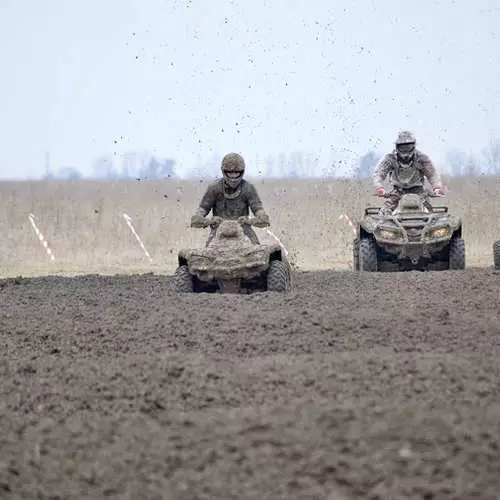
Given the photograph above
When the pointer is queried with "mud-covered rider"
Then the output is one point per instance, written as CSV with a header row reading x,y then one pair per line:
x,y
231,198
407,169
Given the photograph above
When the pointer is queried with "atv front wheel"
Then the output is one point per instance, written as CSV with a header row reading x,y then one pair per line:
x,y
183,280
355,255
368,260
278,277
496,254
457,253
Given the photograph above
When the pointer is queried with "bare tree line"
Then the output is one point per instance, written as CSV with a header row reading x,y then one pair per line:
x,y
299,164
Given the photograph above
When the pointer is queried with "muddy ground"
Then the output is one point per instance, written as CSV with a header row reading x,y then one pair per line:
x,y
353,386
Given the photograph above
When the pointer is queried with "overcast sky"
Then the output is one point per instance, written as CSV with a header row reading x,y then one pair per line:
x,y
190,79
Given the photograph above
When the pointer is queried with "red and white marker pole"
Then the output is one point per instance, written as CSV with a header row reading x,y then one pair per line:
x,y
41,237
268,231
349,221
128,220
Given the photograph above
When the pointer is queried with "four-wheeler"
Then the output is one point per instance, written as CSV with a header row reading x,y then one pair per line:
x,y
232,263
413,237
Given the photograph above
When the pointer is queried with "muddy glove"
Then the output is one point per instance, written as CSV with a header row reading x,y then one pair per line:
x,y
380,191
438,192
198,221
244,219
214,221
261,219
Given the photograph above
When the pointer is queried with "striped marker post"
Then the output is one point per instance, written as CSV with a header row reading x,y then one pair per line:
x,y
41,237
268,231
349,221
128,220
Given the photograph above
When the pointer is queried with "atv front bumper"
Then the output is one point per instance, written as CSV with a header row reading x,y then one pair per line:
x,y
413,250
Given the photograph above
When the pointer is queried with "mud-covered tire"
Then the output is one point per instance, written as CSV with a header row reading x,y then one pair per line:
x,y
368,260
457,254
183,280
279,277
355,255
496,254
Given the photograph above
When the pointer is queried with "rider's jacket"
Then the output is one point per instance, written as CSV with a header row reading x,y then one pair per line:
x,y
406,176
230,206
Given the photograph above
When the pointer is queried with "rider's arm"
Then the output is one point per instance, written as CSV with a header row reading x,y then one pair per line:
x,y
256,205
381,171
430,171
206,204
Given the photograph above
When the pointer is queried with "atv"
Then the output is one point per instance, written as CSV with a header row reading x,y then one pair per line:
x,y
232,263
416,236
496,254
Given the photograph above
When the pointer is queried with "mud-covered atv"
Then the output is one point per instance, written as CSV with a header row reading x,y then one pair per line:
x,y
415,236
496,254
232,263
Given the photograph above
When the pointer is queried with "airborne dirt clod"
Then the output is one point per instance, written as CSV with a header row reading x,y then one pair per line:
x,y
353,386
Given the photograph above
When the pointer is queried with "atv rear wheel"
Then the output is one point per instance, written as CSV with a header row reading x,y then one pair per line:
x,y
496,254
183,280
368,260
278,277
457,253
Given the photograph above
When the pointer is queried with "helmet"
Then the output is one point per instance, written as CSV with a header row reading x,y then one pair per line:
x,y
233,168
405,146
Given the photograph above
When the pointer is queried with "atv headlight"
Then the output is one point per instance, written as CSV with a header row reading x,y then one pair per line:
x,y
442,232
388,235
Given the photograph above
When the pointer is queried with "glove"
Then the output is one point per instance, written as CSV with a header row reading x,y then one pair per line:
x,y
201,222
261,219
438,192
244,219
214,221
380,191
198,221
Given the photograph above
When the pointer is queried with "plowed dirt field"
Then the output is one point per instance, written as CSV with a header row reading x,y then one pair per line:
x,y
353,386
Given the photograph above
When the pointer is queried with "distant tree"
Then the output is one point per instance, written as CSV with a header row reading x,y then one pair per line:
x,y
366,164
150,170
48,174
312,162
68,173
282,165
472,167
456,161
103,168
156,169
491,154
296,165
168,168
202,169
270,166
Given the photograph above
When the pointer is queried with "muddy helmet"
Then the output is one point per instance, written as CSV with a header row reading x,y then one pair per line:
x,y
405,146
233,168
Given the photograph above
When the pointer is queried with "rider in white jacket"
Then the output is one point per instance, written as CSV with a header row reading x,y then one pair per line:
x,y
407,169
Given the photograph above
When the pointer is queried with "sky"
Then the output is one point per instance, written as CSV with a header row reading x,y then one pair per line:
x,y
194,79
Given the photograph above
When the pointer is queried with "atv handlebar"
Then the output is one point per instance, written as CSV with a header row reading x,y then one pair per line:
x,y
216,221
426,194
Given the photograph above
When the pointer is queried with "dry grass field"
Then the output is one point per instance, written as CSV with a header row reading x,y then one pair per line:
x,y
83,223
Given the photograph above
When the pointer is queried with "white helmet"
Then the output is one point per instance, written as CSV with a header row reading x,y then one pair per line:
x,y
405,146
